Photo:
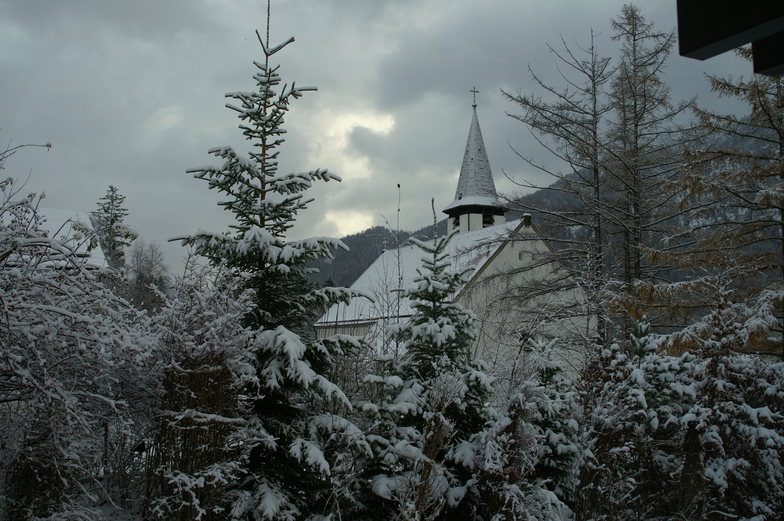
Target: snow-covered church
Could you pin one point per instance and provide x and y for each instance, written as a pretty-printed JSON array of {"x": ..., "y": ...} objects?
[{"x": 511, "y": 290}]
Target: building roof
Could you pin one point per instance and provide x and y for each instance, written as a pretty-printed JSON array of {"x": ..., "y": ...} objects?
[
  {"x": 475, "y": 187},
  {"x": 396, "y": 269}
]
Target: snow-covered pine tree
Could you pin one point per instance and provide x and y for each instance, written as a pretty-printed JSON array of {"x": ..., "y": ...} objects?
[
  {"x": 429, "y": 401},
  {"x": 734, "y": 437},
  {"x": 113, "y": 234},
  {"x": 733, "y": 443},
  {"x": 523, "y": 462},
  {"x": 633, "y": 446},
  {"x": 695, "y": 436},
  {"x": 66, "y": 339},
  {"x": 288, "y": 467}
]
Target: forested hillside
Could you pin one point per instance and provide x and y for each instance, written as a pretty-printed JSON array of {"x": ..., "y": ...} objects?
[{"x": 364, "y": 247}]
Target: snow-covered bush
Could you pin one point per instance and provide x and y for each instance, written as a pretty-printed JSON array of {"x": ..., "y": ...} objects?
[
  {"x": 64, "y": 341},
  {"x": 633, "y": 441},
  {"x": 205, "y": 363},
  {"x": 523, "y": 462}
]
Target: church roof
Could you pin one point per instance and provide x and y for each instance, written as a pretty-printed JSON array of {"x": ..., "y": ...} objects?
[
  {"x": 396, "y": 269},
  {"x": 475, "y": 187}
]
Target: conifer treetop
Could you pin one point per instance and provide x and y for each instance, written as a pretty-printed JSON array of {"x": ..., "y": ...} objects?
[{"x": 265, "y": 203}]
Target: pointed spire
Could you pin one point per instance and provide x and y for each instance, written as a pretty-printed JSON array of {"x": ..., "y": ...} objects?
[{"x": 475, "y": 187}]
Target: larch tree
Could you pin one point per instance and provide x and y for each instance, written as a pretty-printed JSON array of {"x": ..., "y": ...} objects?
[
  {"x": 114, "y": 235},
  {"x": 735, "y": 182},
  {"x": 613, "y": 129},
  {"x": 148, "y": 275},
  {"x": 290, "y": 410},
  {"x": 641, "y": 145},
  {"x": 569, "y": 123}
]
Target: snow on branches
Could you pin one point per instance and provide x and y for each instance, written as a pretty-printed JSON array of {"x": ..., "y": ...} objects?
[{"x": 65, "y": 340}]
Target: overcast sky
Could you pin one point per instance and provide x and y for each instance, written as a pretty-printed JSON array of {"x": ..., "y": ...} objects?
[{"x": 131, "y": 94}]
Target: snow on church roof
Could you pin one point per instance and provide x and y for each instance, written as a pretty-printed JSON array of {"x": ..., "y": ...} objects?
[
  {"x": 396, "y": 269},
  {"x": 475, "y": 185}
]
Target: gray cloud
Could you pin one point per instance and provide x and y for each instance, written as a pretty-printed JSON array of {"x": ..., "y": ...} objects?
[{"x": 132, "y": 94}]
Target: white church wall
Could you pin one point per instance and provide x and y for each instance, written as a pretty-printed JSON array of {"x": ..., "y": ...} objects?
[
  {"x": 343, "y": 328},
  {"x": 517, "y": 301},
  {"x": 474, "y": 222}
]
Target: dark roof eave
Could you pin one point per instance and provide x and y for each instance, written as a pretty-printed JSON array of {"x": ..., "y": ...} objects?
[{"x": 453, "y": 210}]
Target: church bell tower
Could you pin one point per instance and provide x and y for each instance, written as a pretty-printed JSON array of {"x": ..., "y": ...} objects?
[{"x": 476, "y": 202}]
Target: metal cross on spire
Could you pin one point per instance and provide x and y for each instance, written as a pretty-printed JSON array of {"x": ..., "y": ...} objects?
[{"x": 475, "y": 93}]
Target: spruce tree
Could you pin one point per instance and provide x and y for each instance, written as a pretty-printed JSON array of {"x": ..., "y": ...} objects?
[
  {"x": 148, "y": 276},
  {"x": 575, "y": 121},
  {"x": 113, "y": 234},
  {"x": 288, "y": 465},
  {"x": 429, "y": 401}
]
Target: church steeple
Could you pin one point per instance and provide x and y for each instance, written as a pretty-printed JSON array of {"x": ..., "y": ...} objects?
[{"x": 476, "y": 202}]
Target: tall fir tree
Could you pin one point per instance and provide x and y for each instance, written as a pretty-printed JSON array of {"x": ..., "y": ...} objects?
[
  {"x": 113, "y": 234},
  {"x": 289, "y": 411}
]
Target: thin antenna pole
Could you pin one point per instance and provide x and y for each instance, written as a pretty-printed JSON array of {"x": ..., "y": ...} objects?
[
  {"x": 397, "y": 219},
  {"x": 435, "y": 219},
  {"x": 399, "y": 292}
]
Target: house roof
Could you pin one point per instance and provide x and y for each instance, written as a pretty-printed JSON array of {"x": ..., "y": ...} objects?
[
  {"x": 396, "y": 269},
  {"x": 475, "y": 187}
]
